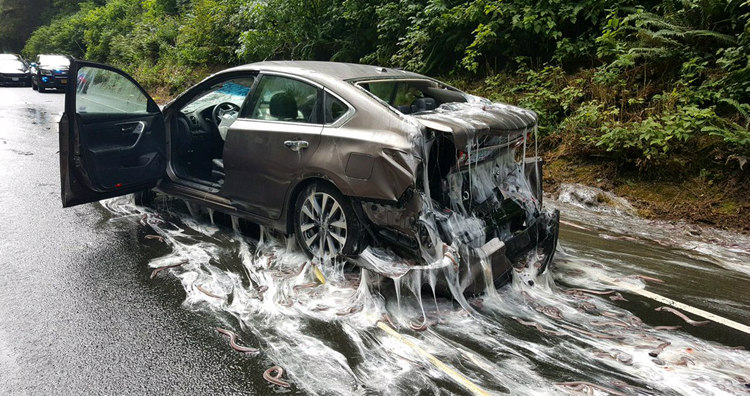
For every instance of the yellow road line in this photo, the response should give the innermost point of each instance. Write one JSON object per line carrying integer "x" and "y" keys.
{"x": 455, "y": 375}
{"x": 668, "y": 301}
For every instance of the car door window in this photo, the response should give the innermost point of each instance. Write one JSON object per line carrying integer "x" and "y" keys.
{"x": 334, "y": 109}
{"x": 285, "y": 99}
{"x": 101, "y": 91}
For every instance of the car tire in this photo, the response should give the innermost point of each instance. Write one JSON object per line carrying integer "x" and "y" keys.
{"x": 34, "y": 87}
{"x": 322, "y": 206}
{"x": 41, "y": 89}
{"x": 142, "y": 198}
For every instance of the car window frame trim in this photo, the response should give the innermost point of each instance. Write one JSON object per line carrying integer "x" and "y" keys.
{"x": 339, "y": 122}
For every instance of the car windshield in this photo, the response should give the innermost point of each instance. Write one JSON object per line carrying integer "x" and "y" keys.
{"x": 12, "y": 64}
{"x": 53, "y": 61}
{"x": 412, "y": 95}
{"x": 234, "y": 91}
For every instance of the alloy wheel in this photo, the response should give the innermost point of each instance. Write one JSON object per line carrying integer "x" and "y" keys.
{"x": 323, "y": 226}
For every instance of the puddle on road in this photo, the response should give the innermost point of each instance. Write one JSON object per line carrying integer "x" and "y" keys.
{"x": 521, "y": 340}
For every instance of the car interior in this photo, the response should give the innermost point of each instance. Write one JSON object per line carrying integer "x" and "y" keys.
{"x": 283, "y": 99}
{"x": 412, "y": 96}
{"x": 199, "y": 129}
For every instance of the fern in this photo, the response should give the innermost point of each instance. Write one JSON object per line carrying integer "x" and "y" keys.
{"x": 741, "y": 108}
{"x": 644, "y": 20}
{"x": 725, "y": 39}
{"x": 651, "y": 53}
{"x": 674, "y": 32}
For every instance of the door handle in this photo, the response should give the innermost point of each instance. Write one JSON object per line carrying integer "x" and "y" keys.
{"x": 296, "y": 145}
{"x": 134, "y": 128}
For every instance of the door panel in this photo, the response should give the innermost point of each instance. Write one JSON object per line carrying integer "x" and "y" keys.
{"x": 120, "y": 151}
{"x": 269, "y": 146}
{"x": 111, "y": 136}
{"x": 262, "y": 159}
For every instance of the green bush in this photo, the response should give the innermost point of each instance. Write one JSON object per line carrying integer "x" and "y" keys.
{"x": 210, "y": 32}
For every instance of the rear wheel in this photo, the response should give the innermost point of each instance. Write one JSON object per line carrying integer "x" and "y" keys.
{"x": 325, "y": 224}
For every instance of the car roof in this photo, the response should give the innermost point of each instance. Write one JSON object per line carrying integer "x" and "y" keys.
{"x": 336, "y": 70}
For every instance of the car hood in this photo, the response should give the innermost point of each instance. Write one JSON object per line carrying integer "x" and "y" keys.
{"x": 466, "y": 121}
{"x": 54, "y": 67}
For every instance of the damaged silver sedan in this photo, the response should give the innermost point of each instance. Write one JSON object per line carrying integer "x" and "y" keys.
{"x": 388, "y": 169}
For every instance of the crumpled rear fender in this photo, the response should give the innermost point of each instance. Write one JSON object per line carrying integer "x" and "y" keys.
{"x": 370, "y": 163}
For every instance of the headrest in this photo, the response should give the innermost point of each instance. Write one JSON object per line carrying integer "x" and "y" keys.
{"x": 423, "y": 104}
{"x": 283, "y": 106}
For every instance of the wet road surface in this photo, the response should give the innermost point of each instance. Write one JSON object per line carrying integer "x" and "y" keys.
{"x": 81, "y": 313}
{"x": 78, "y": 312}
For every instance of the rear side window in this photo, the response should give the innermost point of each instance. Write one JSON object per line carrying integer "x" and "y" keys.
{"x": 412, "y": 96}
{"x": 334, "y": 108}
{"x": 285, "y": 99}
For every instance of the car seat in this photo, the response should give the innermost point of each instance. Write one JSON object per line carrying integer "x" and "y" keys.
{"x": 423, "y": 104}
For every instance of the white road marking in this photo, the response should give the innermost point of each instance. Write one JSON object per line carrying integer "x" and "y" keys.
{"x": 668, "y": 301}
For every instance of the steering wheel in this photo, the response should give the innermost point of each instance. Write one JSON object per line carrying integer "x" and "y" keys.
{"x": 222, "y": 109}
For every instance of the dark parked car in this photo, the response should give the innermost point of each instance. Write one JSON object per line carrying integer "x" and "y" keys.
{"x": 49, "y": 72}
{"x": 353, "y": 160}
{"x": 14, "y": 71}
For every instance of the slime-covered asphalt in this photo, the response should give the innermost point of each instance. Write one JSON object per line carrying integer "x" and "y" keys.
{"x": 79, "y": 313}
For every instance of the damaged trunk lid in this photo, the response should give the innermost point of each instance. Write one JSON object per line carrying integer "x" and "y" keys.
{"x": 491, "y": 124}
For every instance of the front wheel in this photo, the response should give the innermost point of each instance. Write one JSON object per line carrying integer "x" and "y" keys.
{"x": 325, "y": 224}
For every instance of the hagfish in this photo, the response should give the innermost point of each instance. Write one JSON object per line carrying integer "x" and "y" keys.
{"x": 233, "y": 342}
{"x": 659, "y": 349}
{"x": 274, "y": 374}
{"x": 581, "y": 385}
{"x": 156, "y": 271}
{"x": 156, "y": 237}
{"x": 684, "y": 317}
{"x": 206, "y": 292}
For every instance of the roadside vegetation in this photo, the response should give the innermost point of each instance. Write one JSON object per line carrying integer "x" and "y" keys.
{"x": 650, "y": 99}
